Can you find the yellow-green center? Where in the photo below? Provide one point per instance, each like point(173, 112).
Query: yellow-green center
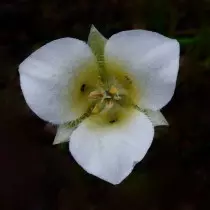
point(106, 101)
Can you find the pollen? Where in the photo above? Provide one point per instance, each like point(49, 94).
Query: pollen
point(113, 90)
point(96, 94)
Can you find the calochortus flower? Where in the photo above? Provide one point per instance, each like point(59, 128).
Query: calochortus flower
point(104, 95)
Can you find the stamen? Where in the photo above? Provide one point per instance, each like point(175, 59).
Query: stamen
point(113, 90)
point(117, 97)
point(96, 94)
point(109, 104)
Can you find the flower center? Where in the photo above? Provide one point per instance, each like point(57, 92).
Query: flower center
point(104, 99)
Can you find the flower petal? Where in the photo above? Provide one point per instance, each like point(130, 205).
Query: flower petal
point(109, 153)
point(47, 76)
point(156, 117)
point(152, 61)
point(63, 134)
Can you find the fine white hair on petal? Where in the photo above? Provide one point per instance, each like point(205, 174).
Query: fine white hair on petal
point(109, 153)
point(47, 74)
point(151, 59)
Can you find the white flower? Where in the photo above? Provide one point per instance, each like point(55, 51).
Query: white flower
point(105, 95)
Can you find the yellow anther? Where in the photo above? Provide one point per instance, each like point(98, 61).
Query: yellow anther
point(117, 97)
point(113, 90)
point(96, 94)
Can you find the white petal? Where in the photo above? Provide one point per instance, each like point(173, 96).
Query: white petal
point(156, 117)
point(109, 153)
point(47, 75)
point(63, 134)
point(151, 59)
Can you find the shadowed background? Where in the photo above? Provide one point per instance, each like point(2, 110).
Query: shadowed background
point(175, 173)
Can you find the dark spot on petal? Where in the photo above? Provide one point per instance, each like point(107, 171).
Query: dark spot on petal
point(82, 88)
point(128, 79)
point(113, 121)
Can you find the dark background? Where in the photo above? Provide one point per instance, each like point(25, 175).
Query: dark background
point(175, 174)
